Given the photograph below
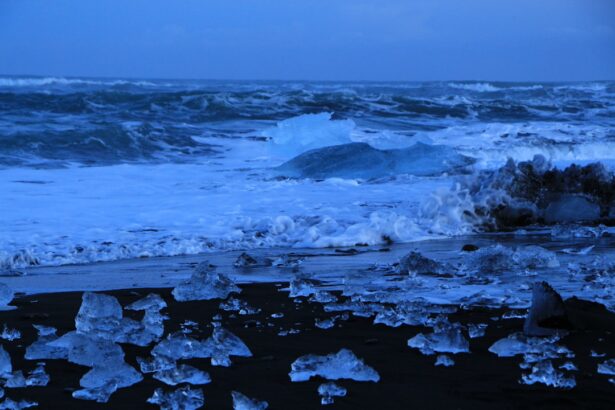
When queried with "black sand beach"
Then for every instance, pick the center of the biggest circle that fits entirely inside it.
(479, 380)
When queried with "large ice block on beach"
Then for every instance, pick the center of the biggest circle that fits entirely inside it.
(99, 315)
(180, 346)
(205, 284)
(243, 402)
(88, 351)
(40, 349)
(449, 340)
(110, 376)
(341, 365)
(360, 160)
(183, 398)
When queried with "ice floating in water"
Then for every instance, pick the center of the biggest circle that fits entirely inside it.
(243, 402)
(544, 372)
(359, 160)
(205, 284)
(183, 398)
(341, 365)
(328, 392)
(305, 132)
(607, 367)
(182, 373)
(444, 360)
(446, 340)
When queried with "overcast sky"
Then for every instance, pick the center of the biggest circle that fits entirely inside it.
(311, 39)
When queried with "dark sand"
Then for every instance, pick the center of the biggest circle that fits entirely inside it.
(409, 380)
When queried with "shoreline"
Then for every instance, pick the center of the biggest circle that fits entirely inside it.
(409, 379)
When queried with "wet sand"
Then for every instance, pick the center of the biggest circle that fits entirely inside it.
(409, 380)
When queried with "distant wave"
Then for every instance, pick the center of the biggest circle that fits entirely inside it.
(46, 81)
(478, 87)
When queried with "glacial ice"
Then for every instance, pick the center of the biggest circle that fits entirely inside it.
(447, 340)
(544, 372)
(476, 330)
(224, 344)
(498, 259)
(40, 348)
(416, 264)
(205, 284)
(10, 334)
(99, 315)
(10, 404)
(305, 132)
(6, 295)
(182, 373)
(532, 348)
(341, 365)
(244, 261)
(607, 367)
(87, 350)
(37, 377)
(547, 304)
(444, 360)
(328, 392)
(152, 302)
(183, 398)
(360, 160)
(240, 306)
(6, 366)
(243, 402)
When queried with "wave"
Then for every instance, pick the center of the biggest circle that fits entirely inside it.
(478, 87)
(47, 81)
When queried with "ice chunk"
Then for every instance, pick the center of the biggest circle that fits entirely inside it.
(476, 330)
(341, 365)
(533, 348)
(88, 351)
(179, 346)
(449, 340)
(182, 373)
(40, 349)
(416, 264)
(547, 306)
(155, 364)
(99, 315)
(305, 132)
(607, 367)
(38, 376)
(151, 302)
(328, 392)
(104, 379)
(243, 402)
(240, 306)
(183, 398)
(6, 366)
(224, 344)
(15, 380)
(9, 404)
(205, 284)
(302, 287)
(499, 259)
(444, 360)
(544, 372)
(10, 334)
(244, 260)
(6, 295)
(359, 160)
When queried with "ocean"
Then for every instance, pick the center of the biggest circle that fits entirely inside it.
(108, 169)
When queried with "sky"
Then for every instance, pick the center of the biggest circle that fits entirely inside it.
(386, 40)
